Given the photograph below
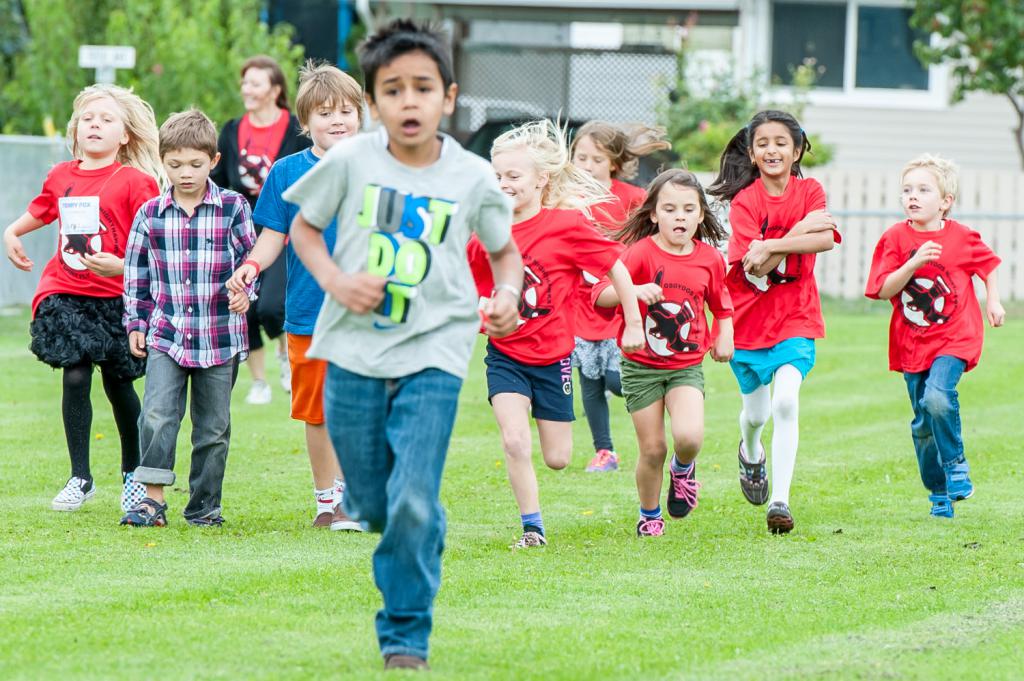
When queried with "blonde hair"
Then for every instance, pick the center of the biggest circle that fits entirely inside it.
(325, 84)
(944, 170)
(568, 187)
(190, 129)
(142, 151)
(624, 145)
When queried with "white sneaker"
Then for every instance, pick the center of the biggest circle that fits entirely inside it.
(74, 494)
(259, 393)
(286, 373)
(132, 492)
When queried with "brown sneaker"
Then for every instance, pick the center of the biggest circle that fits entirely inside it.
(530, 540)
(405, 662)
(323, 519)
(340, 521)
(780, 520)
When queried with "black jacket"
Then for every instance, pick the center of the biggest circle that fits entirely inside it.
(226, 173)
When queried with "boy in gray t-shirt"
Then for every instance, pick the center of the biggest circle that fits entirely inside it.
(400, 318)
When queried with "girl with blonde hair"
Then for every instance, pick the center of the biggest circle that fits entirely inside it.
(529, 371)
(77, 309)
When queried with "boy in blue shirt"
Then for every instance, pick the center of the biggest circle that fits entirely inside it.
(400, 320)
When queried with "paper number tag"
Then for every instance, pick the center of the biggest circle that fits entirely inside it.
(79, 214)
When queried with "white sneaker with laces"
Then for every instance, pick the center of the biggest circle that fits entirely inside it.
(259, 393)
(75, 493)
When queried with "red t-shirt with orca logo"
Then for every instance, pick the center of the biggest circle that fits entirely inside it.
(590, 325)
(937, 312)
(676, 330)
(121, 190)
(784, 303)
(556, 246)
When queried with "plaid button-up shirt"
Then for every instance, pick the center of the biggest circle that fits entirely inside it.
(175, 271)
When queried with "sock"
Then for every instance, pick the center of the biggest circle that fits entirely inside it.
(678, 468)
(757, 407)
(325, 500)
(786, 435)
(532, 522)
(650, 514)
(339, 490)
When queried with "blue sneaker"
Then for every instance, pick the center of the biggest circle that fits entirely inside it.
(942, 505)
(958, 483)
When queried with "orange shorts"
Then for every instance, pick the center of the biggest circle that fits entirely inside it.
(308, 377)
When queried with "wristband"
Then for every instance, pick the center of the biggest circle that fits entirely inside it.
(255, 264)
(507, 287)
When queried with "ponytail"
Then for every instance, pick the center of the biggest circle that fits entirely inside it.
(624, 145)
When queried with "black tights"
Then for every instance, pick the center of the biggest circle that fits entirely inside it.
(76, 407)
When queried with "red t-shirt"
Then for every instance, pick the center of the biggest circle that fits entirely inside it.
(784, 303)
(676, 330)
(556, 245)
(121, 190)
(257, 150)
(937, 312)
(590, 325)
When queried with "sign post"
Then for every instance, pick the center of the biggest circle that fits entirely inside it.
(106, 59)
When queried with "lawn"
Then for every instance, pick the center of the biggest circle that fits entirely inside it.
(867, 586)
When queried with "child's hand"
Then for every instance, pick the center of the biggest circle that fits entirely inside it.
(238, 302)
(137, 343)
(632, 338)
(995, 312)
(927, 252)
(103, 264)
(501, 314)
(649, 294)
(757, 255)
(723, 348)
(360, 292)
(815, 221)
(242, 277)
(16, 252)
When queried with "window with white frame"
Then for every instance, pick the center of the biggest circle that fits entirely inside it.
(855, 45)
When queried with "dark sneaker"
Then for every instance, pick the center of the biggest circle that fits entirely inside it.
(206, 521)
(323, 519)
(341, 521)
(146, 513)
(753, 478)
(650, 527)
(958, 482)
(942, 505)
(682, 492)
(780, 520)
(529, 540)
(405, 662)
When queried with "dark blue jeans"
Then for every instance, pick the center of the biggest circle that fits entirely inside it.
(391, 436)
(936, 424)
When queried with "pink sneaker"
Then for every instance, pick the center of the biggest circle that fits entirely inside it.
(650, 527)
(604, 460)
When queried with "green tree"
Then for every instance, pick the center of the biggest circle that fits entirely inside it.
(983, 42)
(188, 53)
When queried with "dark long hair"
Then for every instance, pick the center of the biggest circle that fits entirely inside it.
(273, 69)
(736, 171)
(640, 226)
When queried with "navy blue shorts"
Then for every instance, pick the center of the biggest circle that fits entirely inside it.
(549, 387)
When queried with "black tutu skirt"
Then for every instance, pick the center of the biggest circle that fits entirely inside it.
(69, 330)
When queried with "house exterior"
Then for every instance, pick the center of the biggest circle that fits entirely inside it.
(874, 102)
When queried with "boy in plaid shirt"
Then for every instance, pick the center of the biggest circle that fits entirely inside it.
(183, 247)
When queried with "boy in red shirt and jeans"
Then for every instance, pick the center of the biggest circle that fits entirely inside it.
(924, 265)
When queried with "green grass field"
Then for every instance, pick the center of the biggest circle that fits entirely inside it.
(867, 586)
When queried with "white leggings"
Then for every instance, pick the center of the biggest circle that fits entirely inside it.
(783, 405)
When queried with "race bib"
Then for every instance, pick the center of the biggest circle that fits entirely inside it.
(79, 214)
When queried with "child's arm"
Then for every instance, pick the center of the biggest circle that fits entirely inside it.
(649, 294)
(722, 350)
(138, 304)
(929, 251)
(12, 243)
(103, 264)
(268, 247)
(502, 311)
(813, 234)
(993, 308)
(360, 292)
(632, 334)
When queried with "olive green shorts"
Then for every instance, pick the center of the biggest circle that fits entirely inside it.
(643, 386)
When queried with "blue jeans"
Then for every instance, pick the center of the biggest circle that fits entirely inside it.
(936, 424)
(391, 436)
(595, 404)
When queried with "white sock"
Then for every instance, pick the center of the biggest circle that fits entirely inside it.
(786, 433)
(325, 500)
(757, 407)
(339, 490)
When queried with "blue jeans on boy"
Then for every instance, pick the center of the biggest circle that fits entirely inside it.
(936, 424)
(391, 437)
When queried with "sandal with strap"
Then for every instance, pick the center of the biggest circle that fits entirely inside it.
(147, 513)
